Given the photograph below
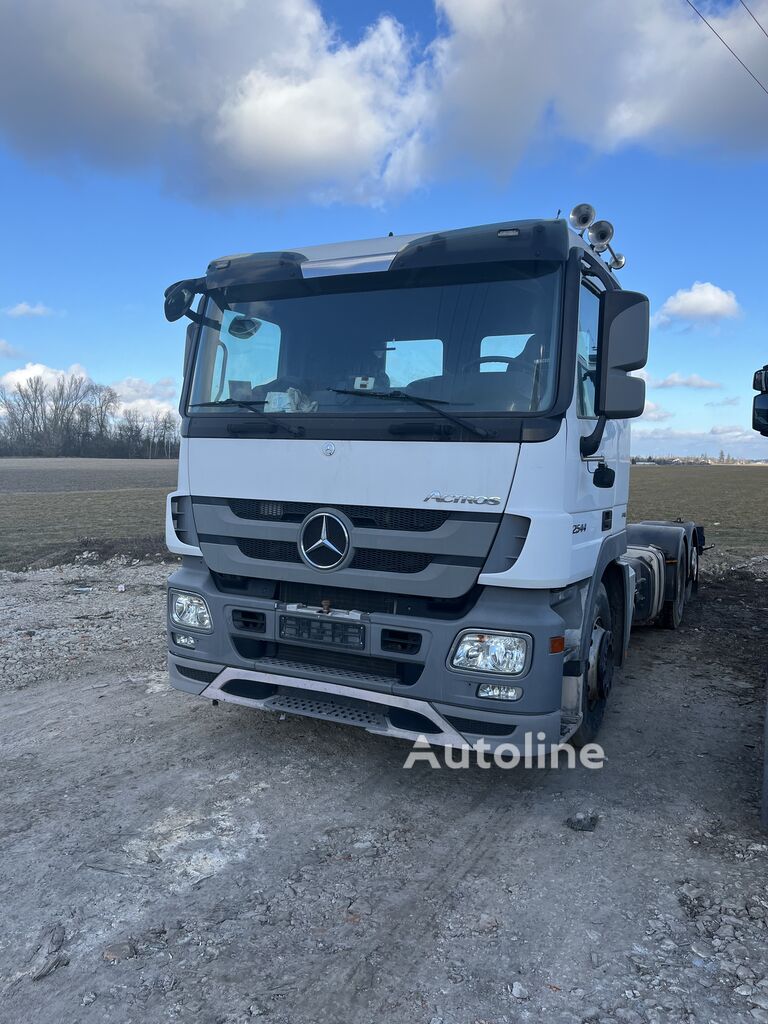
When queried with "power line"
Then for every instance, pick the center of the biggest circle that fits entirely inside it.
(728, 48)
(753, 18)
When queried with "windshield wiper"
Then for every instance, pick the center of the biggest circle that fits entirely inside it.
(251, 406)
(433, 404)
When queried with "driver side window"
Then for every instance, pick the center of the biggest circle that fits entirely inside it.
(586, 352)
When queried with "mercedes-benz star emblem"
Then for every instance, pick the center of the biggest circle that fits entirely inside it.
(323, 541)
(329, 448)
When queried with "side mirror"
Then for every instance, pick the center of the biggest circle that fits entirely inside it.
(178, 300)
(760, 414)
(624, 328)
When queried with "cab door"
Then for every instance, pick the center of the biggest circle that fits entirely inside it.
(596, 505)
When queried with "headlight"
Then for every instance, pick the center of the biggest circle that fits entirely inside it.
(190, 610)
(501, 653)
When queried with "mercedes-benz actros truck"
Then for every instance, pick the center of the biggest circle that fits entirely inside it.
(403, 483)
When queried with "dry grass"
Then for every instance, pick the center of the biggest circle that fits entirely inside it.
(52, 508)
(729, 500)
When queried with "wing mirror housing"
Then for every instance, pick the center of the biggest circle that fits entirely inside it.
(624, 330)
(760, 402)
(180, 296)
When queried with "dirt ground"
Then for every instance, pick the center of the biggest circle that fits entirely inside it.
(167, 861)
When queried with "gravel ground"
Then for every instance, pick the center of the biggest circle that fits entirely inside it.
(165, 860)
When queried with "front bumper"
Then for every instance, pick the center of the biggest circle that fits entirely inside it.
(388, 693)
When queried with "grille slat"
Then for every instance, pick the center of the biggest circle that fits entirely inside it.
(369, 559)
(418, 520)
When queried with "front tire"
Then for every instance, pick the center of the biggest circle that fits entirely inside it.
(598, 677)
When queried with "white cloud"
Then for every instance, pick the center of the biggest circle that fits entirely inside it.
(26, 309)
(655, 412)
(703, 301)
(146, 397)
(7, 351)
(275, 105)
(736, 440)
(143, 396)
(48, 373)
(676, 380)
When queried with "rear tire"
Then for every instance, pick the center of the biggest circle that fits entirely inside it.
(672, 614)
(598, 677)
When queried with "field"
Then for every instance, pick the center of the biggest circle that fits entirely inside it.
(729, 500)
(165, 860)
(52, 508)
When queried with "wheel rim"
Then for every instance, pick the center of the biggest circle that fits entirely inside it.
(600, 665)
(694, 564)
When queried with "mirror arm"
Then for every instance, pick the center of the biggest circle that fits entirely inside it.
(589, 444)
(204, 321)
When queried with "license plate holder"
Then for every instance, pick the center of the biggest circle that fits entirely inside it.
(327, 632)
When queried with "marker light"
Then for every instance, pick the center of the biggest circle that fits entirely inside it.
(502, 653)
(190, 610)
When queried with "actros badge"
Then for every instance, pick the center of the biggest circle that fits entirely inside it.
(461, 499)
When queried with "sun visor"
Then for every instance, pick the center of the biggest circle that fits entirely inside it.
(255, 268)
(513, 240)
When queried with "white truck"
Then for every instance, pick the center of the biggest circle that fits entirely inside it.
(403, 482)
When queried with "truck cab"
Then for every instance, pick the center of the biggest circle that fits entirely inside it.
(403, 484)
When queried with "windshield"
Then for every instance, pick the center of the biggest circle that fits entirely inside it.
(429, 342)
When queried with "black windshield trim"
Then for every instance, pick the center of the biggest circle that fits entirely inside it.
(501, 426)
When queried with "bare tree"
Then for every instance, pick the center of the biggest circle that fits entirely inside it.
(74, 416)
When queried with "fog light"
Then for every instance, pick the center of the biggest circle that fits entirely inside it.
(502, 653)
(190, 610)
(498, 691)
(183, 640)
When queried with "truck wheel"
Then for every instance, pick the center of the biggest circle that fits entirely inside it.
(598, 677)
(672, 614)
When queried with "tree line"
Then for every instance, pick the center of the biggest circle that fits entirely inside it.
(75, 416)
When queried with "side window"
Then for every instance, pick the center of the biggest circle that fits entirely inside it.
(586, 352)
(408, 361)
(252, 353)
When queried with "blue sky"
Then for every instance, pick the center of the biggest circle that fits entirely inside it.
(423, 119)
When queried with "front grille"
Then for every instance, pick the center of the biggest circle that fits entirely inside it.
(341, 598)
(303, 661)
(345, 598)
(373, 560)
(369, 559)
(269, 550)
(419, 520)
